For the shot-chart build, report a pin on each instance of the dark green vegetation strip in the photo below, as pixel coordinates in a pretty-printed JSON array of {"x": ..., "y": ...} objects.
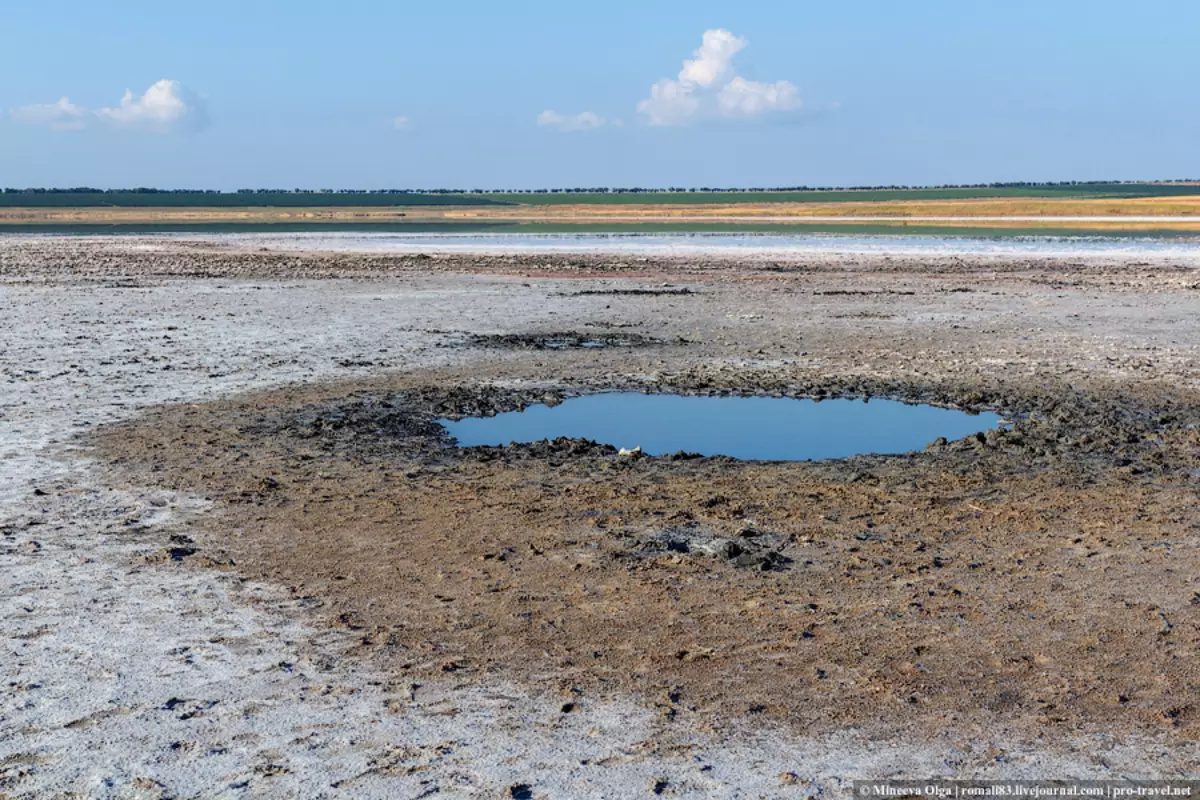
[
  {"x": 314, "y": 226},
  {"x": 1094, "y": 190}
]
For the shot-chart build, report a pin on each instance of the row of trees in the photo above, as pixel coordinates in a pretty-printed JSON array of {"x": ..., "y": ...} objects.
[
  {"x": 601, "y": 189},
  {"x": 91, "y": 190}
]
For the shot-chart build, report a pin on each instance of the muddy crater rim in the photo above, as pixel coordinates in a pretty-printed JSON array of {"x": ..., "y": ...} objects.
[
  {"x": 742, "y": 426},
  {"x": 1053, "y": 425}
]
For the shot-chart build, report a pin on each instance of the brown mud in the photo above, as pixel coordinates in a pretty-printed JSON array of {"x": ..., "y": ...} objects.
[{"x": 1035, "y": 579}]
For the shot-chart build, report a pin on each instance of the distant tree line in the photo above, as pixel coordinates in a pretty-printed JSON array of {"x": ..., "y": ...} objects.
[{"x": 600, "y": 189}]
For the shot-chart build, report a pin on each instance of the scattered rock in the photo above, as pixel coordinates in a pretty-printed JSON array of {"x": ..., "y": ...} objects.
[{"x": 178, "y": 553}]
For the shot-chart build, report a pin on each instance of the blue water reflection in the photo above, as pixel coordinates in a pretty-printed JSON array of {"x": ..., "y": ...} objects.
[{"x": 758, "y": 428}]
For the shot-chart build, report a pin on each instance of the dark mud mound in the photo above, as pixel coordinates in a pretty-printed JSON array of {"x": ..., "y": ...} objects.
[
  {"x": 395, "y": 424},
  {"x": 747, "y": 548},
  {"x": 863, "y": 292}
]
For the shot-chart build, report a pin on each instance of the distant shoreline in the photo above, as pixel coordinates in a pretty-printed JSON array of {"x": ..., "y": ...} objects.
[
  {"x": 87, "y": 197},
  {"x": 918, "y": 213},
  {"x": 500, "y": 228}
]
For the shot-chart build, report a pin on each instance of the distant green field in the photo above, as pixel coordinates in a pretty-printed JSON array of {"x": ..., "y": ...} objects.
[
  {"x": 256, "y": 200},
  {"x": 288, "y": 200},
  {"x": 615, "y": 229}
]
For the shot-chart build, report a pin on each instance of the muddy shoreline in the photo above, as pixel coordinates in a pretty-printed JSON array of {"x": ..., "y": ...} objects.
[{"x": 657, "y": 526}]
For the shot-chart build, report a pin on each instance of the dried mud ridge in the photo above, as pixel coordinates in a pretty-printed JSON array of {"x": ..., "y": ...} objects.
[
  {"x": 1035, "y": 578},
  {"x": 565, "y": 340},
  {"x": 668, "y": 292}
]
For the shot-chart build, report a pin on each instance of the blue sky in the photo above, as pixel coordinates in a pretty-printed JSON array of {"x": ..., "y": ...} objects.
[{"x": 307, "y": 94}]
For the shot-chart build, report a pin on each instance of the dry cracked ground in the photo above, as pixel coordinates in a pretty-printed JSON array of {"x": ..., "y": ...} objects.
[{"x": 241, "y": 559}]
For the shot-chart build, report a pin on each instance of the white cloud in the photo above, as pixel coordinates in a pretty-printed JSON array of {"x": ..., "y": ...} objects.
[
  {"x": 165, "y": 106},
  {"x": 403, "y": 124},
  {"x": 61, "y": 116},
  {"x": 712, "y": 58},
  {"x": 584, "y": 121},
  {"x": 741, "y": 97},
  {"x": 670, "y": 102},
  {"x": 708, "y": 86}
]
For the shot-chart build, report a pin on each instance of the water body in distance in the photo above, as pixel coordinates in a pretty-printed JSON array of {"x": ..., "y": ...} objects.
[
  {"x": 779, "y": 243},
  {"x": 508, "y": 238},
  {"x": 751, "y": 428}
]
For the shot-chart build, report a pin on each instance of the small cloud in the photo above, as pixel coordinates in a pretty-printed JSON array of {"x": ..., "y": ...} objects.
[
  {"x": 403, "y": 124},
  {"x": 61, "y": 116},
  {"x": 744, "y": 98},
  {"x": 708, "y": 86},
  {"x": 584, "y": 121},
  {"x": 670, "y": 102},
  {"x": 165, "y": 106}
]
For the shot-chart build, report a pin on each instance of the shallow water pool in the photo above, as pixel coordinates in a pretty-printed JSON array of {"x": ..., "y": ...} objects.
[{"x": 752, "y": 428}]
